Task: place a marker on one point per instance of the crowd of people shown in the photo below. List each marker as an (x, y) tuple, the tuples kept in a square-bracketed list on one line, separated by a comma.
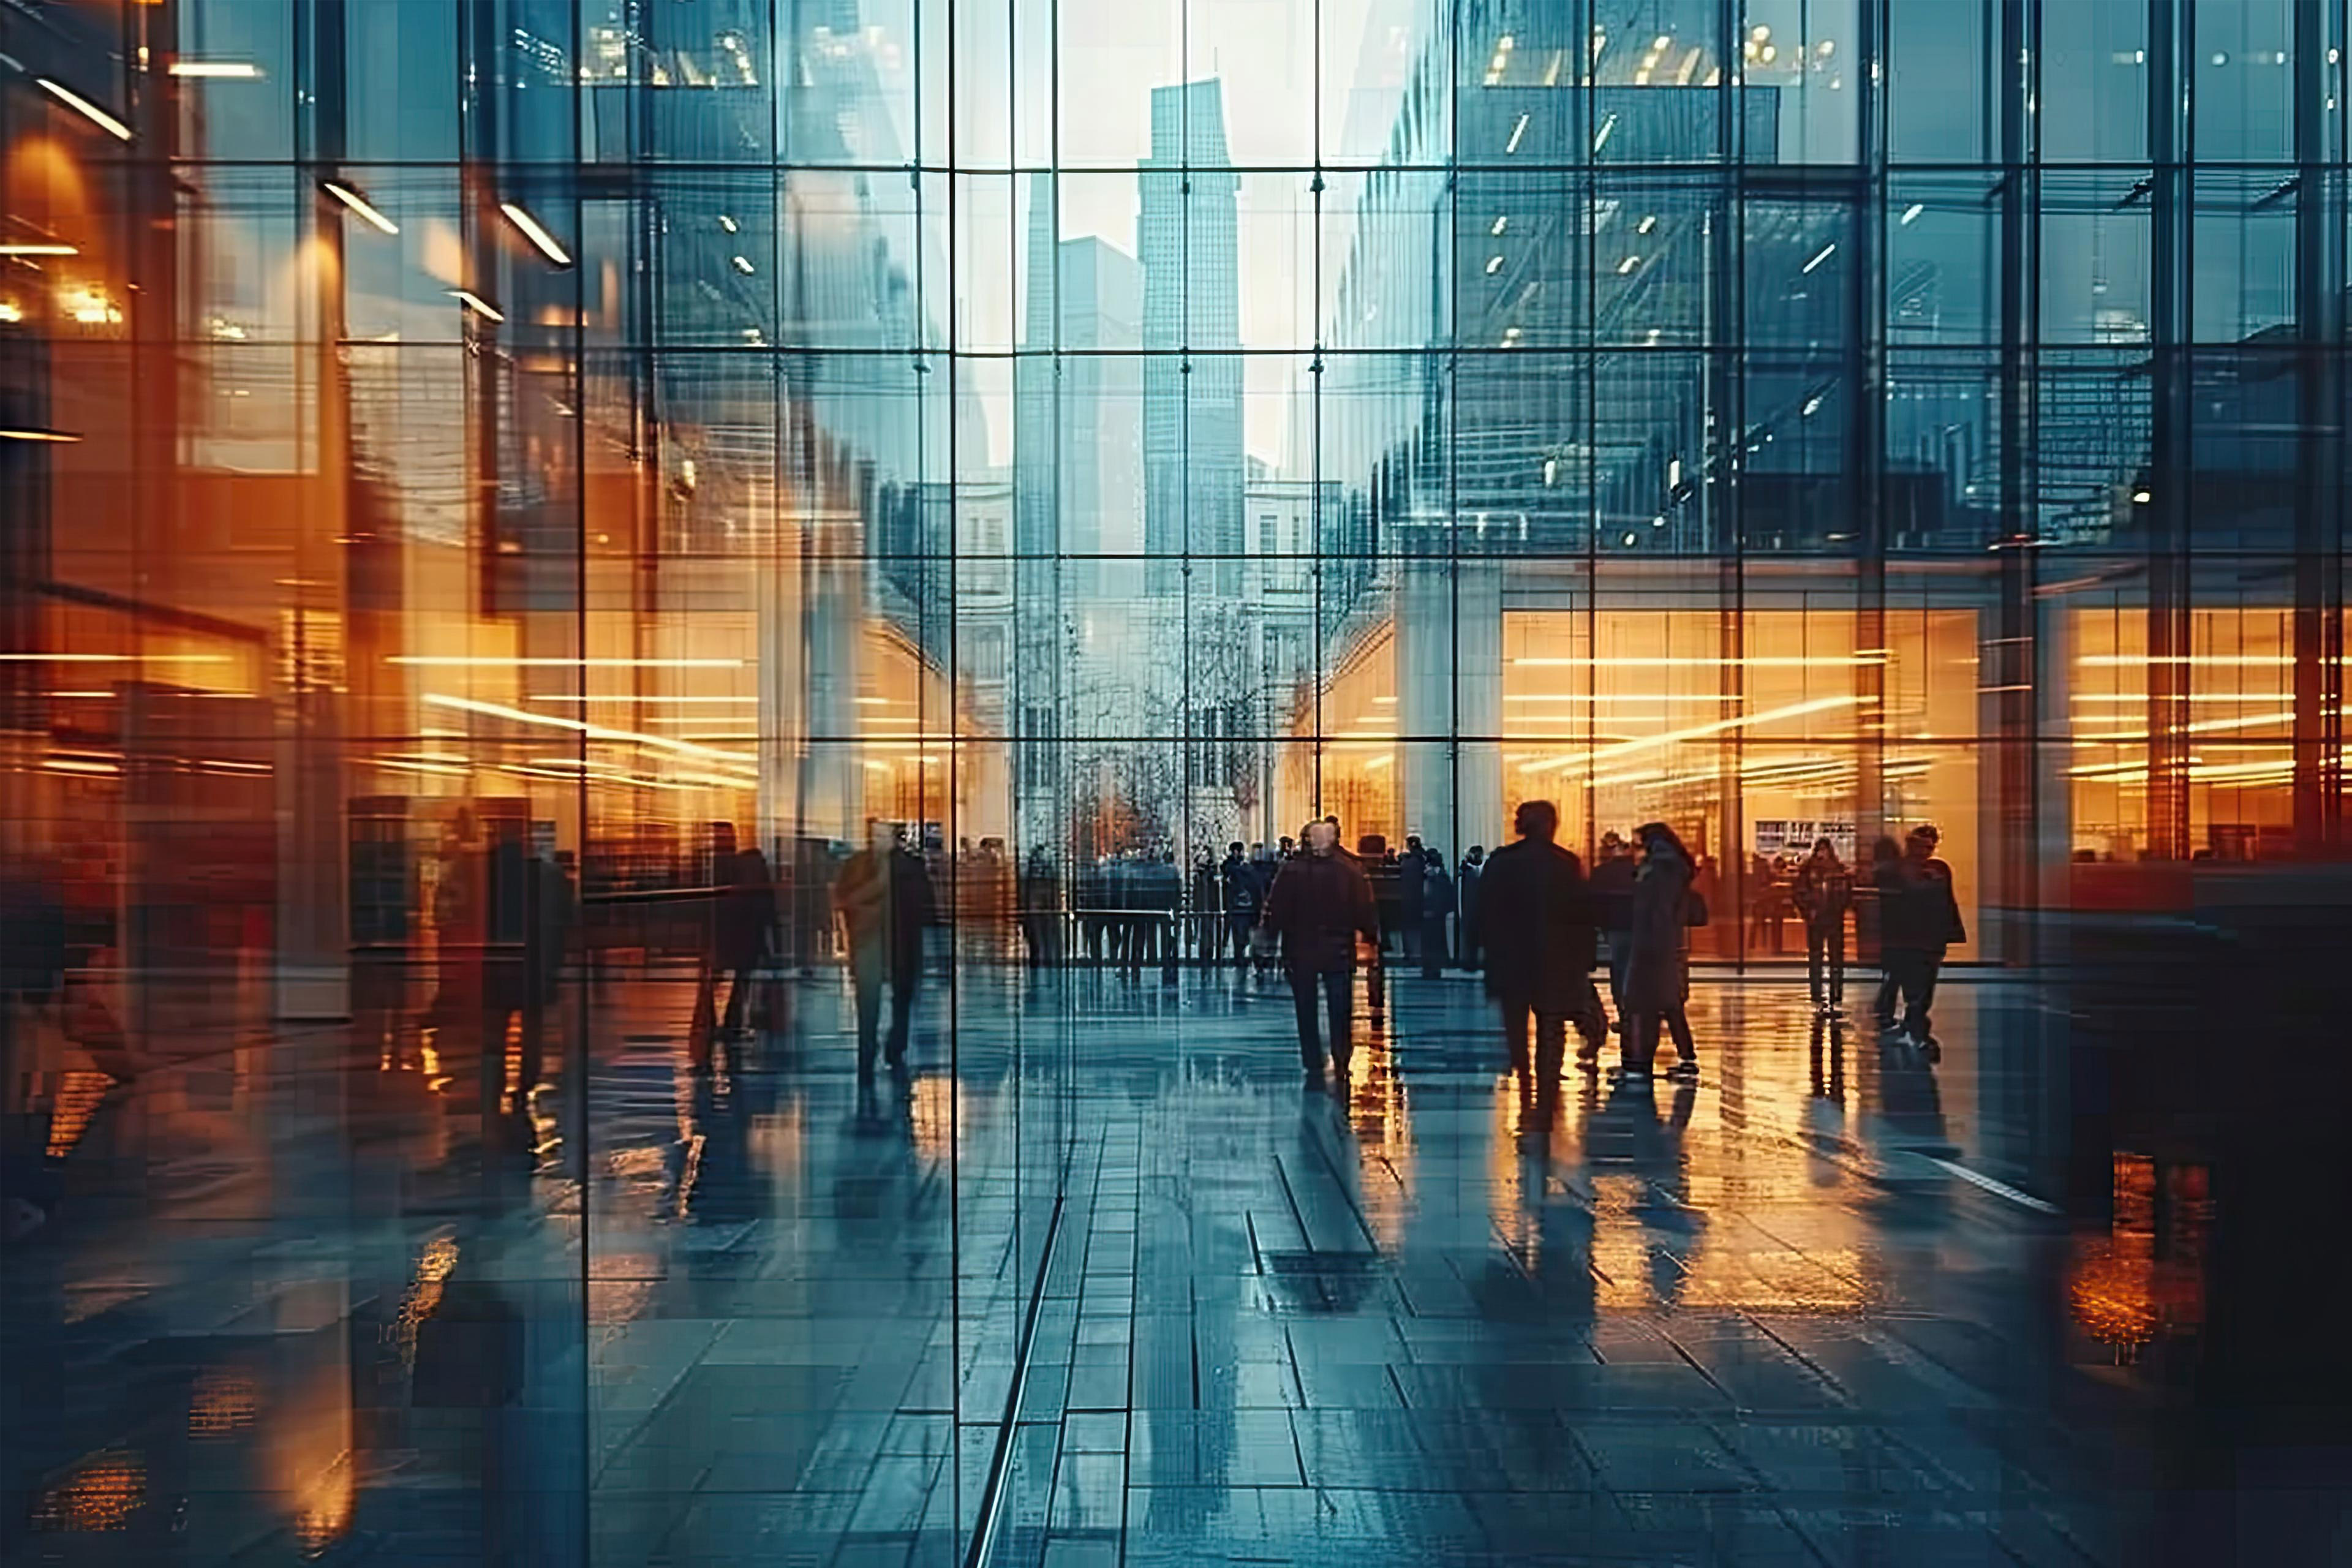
[(1531, 917)]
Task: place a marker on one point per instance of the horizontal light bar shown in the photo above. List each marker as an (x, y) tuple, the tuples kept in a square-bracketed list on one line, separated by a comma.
[(477, 304), (86, 109), (487, 661), (217, 71), (55, 437), (1757, 662), (360, 204), (39, 247), (535, 232)]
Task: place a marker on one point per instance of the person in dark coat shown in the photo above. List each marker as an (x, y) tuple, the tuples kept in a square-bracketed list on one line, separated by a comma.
[(1612, 897), (1540, 945), (1869, 924), (1240, 895), (1465, 885), (1041, 909), (1919, 918), (1657, 956), (744, 938), (1208, 913), (1319, 904), (1824, 891), (1436, 907), (884, 898), (1410, 925)]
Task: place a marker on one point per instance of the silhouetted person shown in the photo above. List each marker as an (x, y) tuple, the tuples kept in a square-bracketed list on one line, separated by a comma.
[(1208, 920), (1870, 921), (1469, 936), (1319, 904), (1919, 918), (1240, 896), (1041, 909), (1436, 907), (744, 934), (1410, 893), (1657, 957), (1378, 863), (1541, 945), (1824, 891), (1613, 896), (884, 898)]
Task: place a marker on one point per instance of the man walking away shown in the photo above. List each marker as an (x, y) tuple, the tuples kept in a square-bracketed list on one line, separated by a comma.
[(1237, 886), (1824, 891), (1436, 907), (1319, 904), (884, 898), (1612, 897), (1465, 882), (1409, 899), (1539, 956), (1918, 920)]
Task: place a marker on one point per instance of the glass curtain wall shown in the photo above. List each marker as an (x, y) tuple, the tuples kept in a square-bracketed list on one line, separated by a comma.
[(469, 460)]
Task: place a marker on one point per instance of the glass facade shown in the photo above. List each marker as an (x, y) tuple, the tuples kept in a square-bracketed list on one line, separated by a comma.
[(473, 470)]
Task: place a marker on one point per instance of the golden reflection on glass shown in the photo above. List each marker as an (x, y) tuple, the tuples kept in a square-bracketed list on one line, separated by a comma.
[(224, 1402), (323, 1508), (2144, 1281), (434, 1266), (100, 1495)]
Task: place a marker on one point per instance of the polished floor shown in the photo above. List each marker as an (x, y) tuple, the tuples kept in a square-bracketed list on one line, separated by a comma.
[(1809, 1311)]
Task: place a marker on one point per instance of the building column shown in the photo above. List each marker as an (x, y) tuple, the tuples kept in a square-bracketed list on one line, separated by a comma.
[(1449, 676)]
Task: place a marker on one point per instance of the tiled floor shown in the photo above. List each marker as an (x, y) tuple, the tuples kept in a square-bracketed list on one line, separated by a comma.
[(1429, 1320)]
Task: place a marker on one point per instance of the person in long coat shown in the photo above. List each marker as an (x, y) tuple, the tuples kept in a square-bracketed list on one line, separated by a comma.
[(1657, 956), (1319, 905), (1539, 913), (884, 897)]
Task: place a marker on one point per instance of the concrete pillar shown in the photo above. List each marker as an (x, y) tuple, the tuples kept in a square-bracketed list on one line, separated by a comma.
[(1449, 673)]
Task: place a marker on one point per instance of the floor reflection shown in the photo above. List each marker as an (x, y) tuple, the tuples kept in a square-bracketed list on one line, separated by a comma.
[(305, 1305)]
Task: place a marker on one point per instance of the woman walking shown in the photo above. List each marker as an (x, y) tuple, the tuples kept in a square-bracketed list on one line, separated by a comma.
[(1824, 891), (1657, 957)]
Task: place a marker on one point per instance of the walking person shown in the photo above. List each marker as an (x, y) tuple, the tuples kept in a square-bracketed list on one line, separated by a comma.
[(1917, 924), (1824, 891), (1886, 885), (1541, 948), (1436, 909), (1319, 905), (1408, 923), (1465, 885), (1208, 914), (1612, 897), (1240, 894), (884, 898), (1041, 910), (1657, 957)]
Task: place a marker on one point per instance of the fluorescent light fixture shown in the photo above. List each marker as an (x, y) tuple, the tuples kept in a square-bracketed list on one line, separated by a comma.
[(535, 232), (39, 247), (742, 265), (51, 435), (86, 109), (1500, 225), (1911, 214), (1647, 224), (1601, 137), (358, 203), (1825, 252), (1494, 264), (493, 661), (218, 70), (1517, 130), (1627, 267), (729, 224), (2142, 497), (479, 306)]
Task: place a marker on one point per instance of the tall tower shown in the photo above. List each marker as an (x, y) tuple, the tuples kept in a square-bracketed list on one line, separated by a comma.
[(1188, 239)]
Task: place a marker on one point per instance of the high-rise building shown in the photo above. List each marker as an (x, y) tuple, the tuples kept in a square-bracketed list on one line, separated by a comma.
[(1189, 241), (1079, 402)]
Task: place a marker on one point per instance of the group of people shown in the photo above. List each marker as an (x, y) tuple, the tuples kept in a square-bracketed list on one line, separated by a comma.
[(1542, 921)]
